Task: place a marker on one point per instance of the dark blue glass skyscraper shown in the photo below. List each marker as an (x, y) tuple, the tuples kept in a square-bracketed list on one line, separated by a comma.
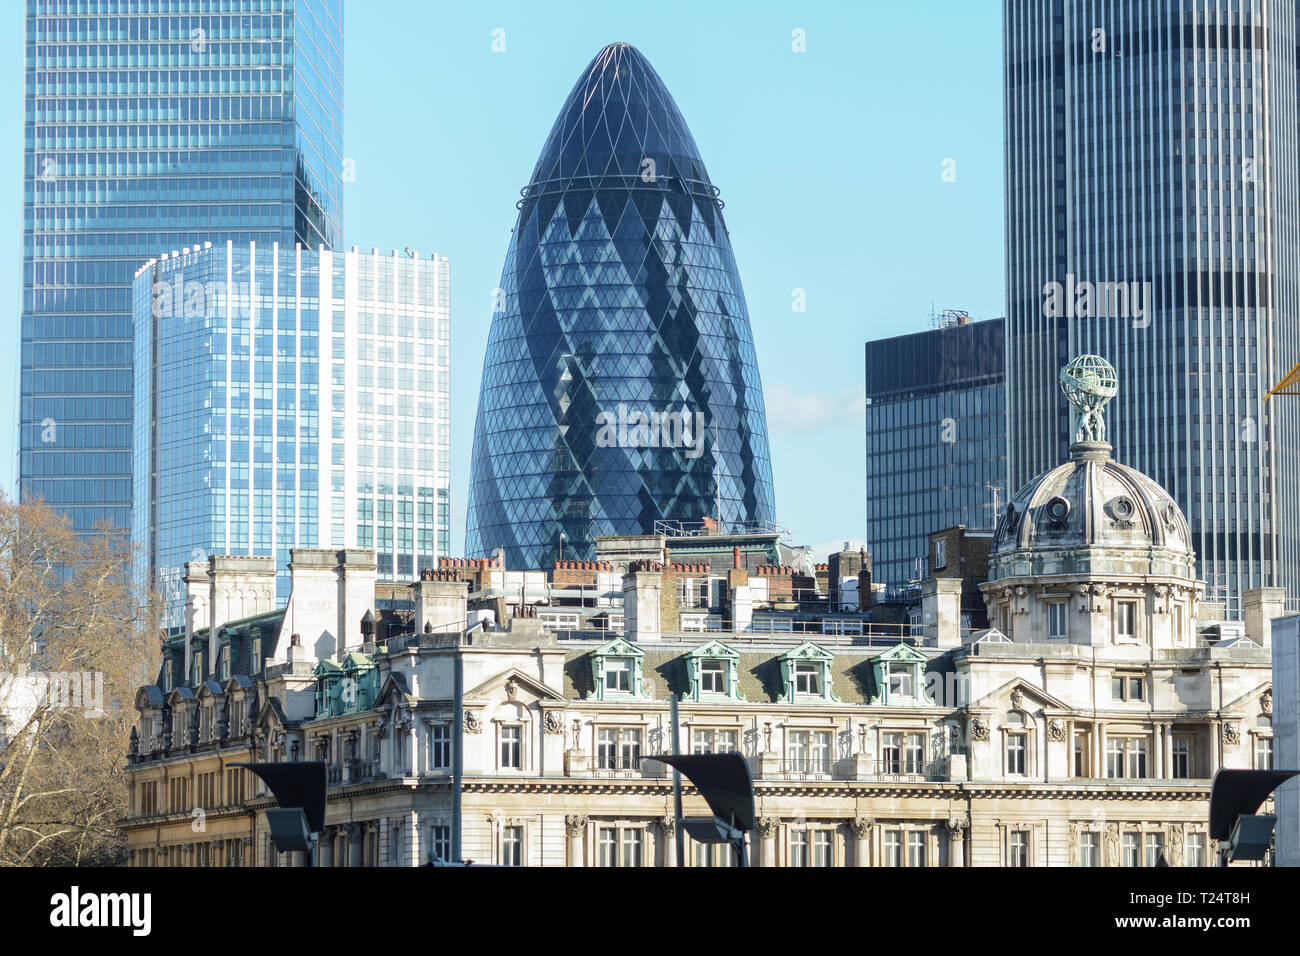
[(152, 125), (620, 386)]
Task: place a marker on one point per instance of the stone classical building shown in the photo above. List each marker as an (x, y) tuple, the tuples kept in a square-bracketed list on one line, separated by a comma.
[(1083, 728)]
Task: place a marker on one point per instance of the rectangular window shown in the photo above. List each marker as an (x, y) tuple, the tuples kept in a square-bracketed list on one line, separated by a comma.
[(618, 674), (629, 749), (1056, 620), (1130, 687), (1089, 849), (1126, 621), (808, 678), (1130, 850), (915, 848), (1018, 848), (821, 847), (714, 741), (1153, 848), (512, 846), (713, 677), (632, 846), (893, 848), (1195, 849), (606, 748), (439, 747), (1081, 755), (798, 847), (1016, 754), (796, 746), (1263, 753), (900, 680), (440, 842), (1182, 758), (511, 746)]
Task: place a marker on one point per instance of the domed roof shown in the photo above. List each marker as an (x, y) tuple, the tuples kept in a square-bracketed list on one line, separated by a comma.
[(1092, 515)]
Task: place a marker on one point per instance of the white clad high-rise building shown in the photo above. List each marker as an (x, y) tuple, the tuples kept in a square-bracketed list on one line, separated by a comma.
[(1153, 185), (287, 398)]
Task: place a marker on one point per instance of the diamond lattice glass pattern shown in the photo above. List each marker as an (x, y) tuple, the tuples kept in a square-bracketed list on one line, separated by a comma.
[(619, 296)]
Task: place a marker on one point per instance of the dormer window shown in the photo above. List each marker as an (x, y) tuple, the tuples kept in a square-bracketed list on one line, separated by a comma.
[(618, 675), (616, 671), (899, 676), (712, 669), (808, 678), (806, 674)]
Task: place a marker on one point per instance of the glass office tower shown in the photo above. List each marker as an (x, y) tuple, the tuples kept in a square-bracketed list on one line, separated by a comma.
[(620, 385), (1152, 178), (152, 125), (291, 398), (936, 441)]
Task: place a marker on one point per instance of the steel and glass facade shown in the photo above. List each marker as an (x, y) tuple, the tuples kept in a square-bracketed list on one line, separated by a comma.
[(152, 125), (1153, 143), (619, 297), (291, 398), (936, 441)]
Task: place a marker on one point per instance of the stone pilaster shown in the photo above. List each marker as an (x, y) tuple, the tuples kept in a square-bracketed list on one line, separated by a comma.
[(575, 826)]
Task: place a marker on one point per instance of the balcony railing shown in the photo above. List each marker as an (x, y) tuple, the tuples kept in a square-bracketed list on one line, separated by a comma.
[(626, 767), (905, 768), (796, 767)]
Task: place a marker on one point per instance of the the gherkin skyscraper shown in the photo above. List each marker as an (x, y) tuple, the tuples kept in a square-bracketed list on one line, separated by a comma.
[(620, 386)]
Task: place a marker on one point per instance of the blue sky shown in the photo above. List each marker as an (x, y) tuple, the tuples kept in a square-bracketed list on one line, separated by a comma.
[(830, 162)]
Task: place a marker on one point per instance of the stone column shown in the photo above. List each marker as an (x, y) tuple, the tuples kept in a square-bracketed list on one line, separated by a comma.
[(1100, 734), (767, 827), (956, 826), (860, 831), (413, 753), (1158, 751), (356, 832), (575, 825), (325, 848), (668, 828)]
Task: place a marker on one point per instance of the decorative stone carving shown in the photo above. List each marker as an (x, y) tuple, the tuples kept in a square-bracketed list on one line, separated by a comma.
[(1175, 850), (956, 824), (552, 723), (1266, 703), (1058, 513), (1055, 730), (1231, 735), (575, 824), (861, 826), (1072, 843), (473, 725), (1010, 519), (668, 823), (862, 738), (512, 689), (767, 827), (577, 733), (767, 735), (979, 728), (1017, 699), (1121, 511), (1111, 839)]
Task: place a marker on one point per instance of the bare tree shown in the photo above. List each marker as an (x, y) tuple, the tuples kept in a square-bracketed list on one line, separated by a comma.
[(77, 637)]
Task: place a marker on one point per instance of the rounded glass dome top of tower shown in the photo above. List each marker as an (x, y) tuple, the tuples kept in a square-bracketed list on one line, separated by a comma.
[(620, 386)]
